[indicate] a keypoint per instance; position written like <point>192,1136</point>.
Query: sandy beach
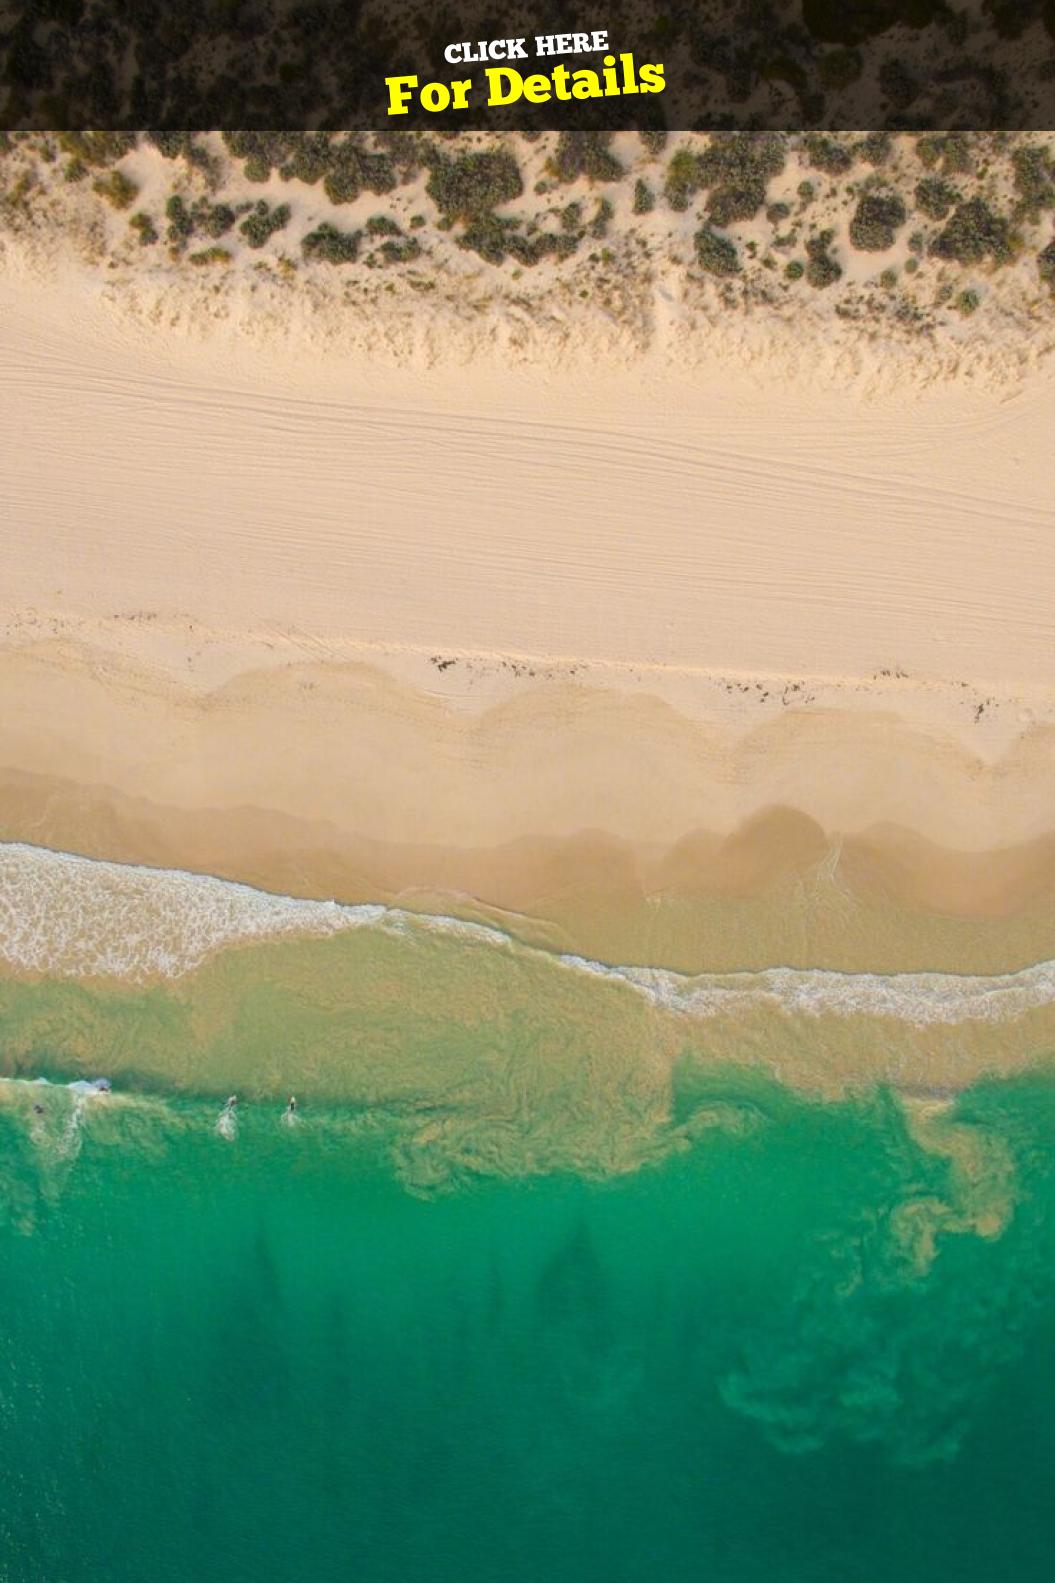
<point>643,656</point>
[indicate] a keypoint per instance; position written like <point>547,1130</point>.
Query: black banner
<point>755,64</point>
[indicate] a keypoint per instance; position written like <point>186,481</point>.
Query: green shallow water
<point>809,1342</point>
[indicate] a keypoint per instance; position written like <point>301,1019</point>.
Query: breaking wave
<point>68,916</point>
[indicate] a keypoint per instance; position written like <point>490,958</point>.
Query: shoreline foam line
<point>70,916</point>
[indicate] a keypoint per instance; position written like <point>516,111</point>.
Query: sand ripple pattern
<point>76,917</point>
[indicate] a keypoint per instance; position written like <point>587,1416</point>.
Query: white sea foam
<point>75,917</point>
<point>69,916</point>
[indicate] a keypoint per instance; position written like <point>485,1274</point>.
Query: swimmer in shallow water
<point>291,1108</point>
<point>230,1102</point>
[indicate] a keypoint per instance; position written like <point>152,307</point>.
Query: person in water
<point>291,1108</point>
<point>231,1102</point>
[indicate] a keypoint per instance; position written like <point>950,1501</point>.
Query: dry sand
<point>711,667</point>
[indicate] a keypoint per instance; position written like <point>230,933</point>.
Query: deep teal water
<point>785,1352</point>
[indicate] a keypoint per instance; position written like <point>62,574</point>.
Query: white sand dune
<point>640,514</point>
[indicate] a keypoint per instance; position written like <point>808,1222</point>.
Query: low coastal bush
<point>728,203</point>
<point>935,197</point>
<point>716,254</point>
<point>966,303</point>
<point>826,153</point>
<point>97,148</point>
<point>180,220</point>
<point>951,150</point>
<point>874,148</point>
<point>1034,185</point>
<point>261,225</point>
<point>116,188</point>
<point>794,269</point>
<point>585,154</point>
<point>1046,264</point>
<point>382,225</point>
<point>682,181</point>
<point>644,197</point>
<point>403,251</point>
<point>344,163</point>
<point>328,245</point>
<point>209,255</point>
<point>599,223</point>
<point>973,234</point>
<point>876,220</point>
<point>215,219</point>
<point>821,268</point>
<point>144,228</point>
<point>471,185</point>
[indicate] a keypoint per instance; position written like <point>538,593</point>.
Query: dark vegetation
<point>259,226</point>
<point>974,234</point>
<point>876,221</point>
<point>331,246</point>
<point>716,254</point>
<point>821,268</point>
<point>935,197</point>
<point>585,154</point>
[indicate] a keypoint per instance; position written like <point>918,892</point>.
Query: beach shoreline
<point>641,663</point>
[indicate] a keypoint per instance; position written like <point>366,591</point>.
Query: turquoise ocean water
<point>814,1341</point>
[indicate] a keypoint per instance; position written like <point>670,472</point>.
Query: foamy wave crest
<point>77,917</point>
<point>917,998</point>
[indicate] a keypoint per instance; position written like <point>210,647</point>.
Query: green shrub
<point>1033,181</point>
<point>806,191</point>
<point>97,148</point>
<point>967,302</point>
<point>875,221</point>
<point>742,160</point>
<point>180,220</point>
<point>145,228</point>
<point>471,185</point>
<point>682,180</point>
<point>728,203</point>
<point>828,154</point>
<point>381,225</point>
<point>354,169</point>
<point>973,234</point>
<point>214,219</point>
<point>821,269</point>
<point>655,142</point>
<point>571,217</point>
<point>585,154</point>
<point>794,269</point>
<point>116,188</point>
<point>935,197</point>
<point>874,148</point>
<point>490,235</point>
<point>1046,264</point>
<point>261,225</point>
<point>209,255</point>
<point>403,251</point>
<point>644,197</point>
<point>599,223</point>
<point>716,254</point>
<point>328,245</point>
<point>778,212</point>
